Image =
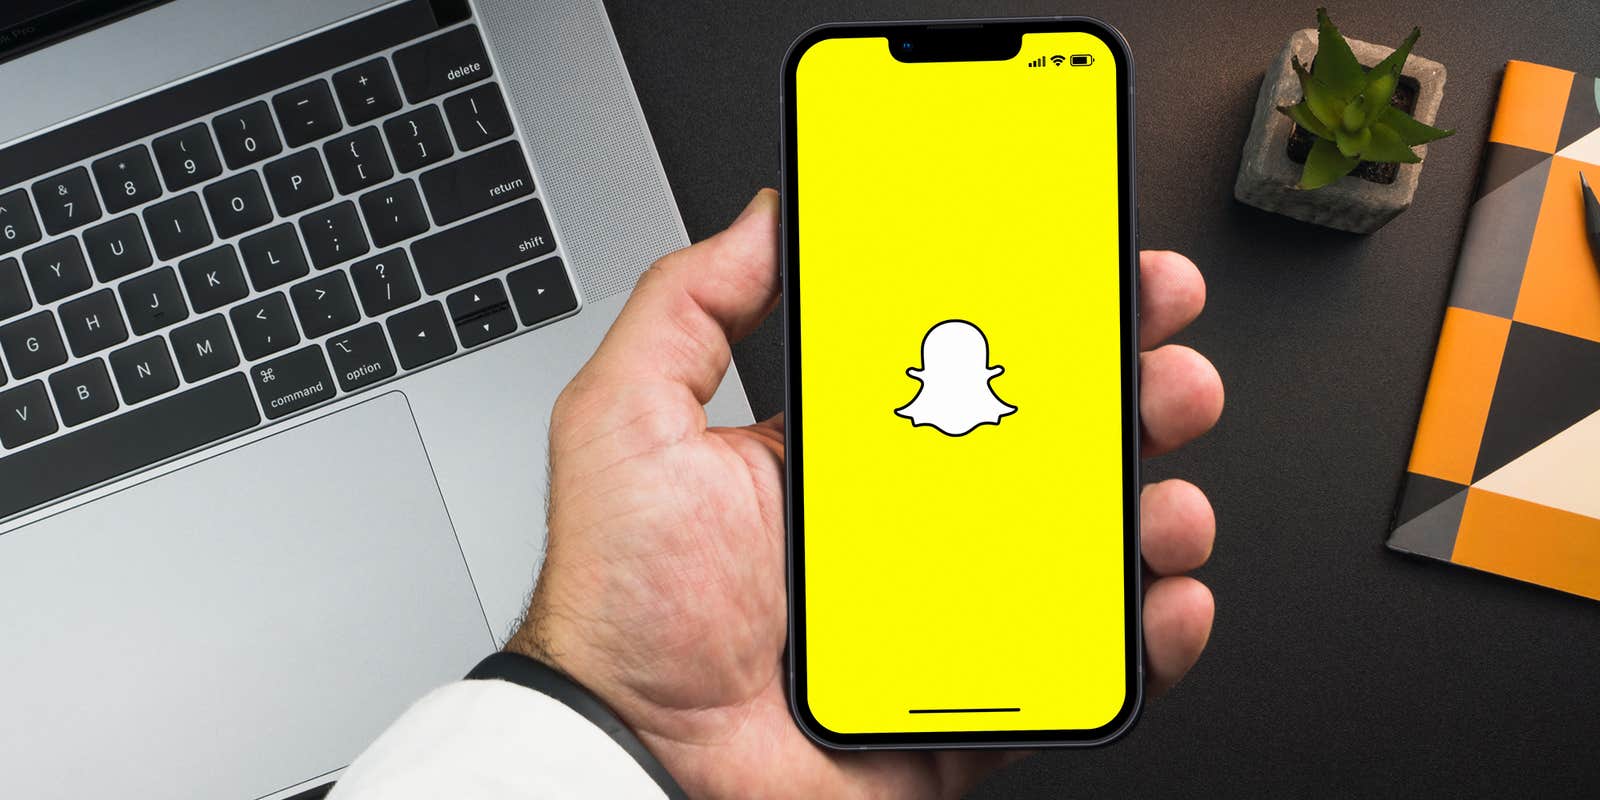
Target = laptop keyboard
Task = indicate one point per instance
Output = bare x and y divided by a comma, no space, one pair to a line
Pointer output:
291,228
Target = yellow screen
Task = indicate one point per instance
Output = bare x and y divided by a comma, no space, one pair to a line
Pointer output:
963,540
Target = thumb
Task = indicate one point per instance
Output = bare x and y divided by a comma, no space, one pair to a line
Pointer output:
690,306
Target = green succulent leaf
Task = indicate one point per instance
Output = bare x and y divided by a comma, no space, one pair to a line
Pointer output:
1351,144
1396,62
1378,92
1325,165
1302,116
1386,146
1320,100
1411,131
1353,119
1335,65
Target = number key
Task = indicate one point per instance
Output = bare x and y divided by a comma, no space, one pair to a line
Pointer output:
66,200
187,157
418,138
127,179
17,227
247,135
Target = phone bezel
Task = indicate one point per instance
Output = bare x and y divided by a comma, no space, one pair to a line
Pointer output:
948,34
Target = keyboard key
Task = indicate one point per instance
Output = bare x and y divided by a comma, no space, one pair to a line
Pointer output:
153,301
247,135
358,160
32,345
127,179
238,204
394,213
66,201
117,248
481,313
421,335
478,116
324,304
334,235
13,292
143,370
476,183
93,323
542,291
306,113
298,182
25,415
385,282
482,247
361,357
213,279
204,348
264,326
125,443
418,138
187,157
292,382
366,91
57,270
83,392
17,225
177,226
273,257
442,63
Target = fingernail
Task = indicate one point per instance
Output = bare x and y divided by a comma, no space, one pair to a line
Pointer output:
756,204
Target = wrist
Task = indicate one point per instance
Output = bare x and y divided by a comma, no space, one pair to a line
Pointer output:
522,670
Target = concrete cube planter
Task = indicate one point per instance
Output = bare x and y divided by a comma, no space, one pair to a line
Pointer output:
1267,174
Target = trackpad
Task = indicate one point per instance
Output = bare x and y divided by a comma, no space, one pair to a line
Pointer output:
236,627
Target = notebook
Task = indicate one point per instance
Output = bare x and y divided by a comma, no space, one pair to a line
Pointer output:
1504,474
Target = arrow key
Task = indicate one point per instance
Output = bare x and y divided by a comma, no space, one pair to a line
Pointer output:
421,335
481,313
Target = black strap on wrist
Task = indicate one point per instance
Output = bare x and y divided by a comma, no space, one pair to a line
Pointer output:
529,673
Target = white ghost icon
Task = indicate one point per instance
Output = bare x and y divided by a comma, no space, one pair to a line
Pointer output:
955,396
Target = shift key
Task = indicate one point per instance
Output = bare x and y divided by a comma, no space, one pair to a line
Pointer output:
465,187
484,246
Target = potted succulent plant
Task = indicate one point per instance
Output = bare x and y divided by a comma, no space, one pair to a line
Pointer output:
1333,144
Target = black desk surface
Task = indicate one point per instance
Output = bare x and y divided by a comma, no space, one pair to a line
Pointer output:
1335,667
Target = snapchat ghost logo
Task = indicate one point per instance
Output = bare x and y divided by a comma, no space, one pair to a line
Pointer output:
955,396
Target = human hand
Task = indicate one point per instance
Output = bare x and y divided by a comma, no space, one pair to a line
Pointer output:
663,584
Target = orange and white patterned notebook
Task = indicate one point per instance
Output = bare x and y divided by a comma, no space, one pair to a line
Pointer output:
1505,470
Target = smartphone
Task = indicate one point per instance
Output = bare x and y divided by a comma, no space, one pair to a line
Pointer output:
960,282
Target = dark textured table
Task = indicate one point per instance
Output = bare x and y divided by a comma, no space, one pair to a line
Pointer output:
1336,668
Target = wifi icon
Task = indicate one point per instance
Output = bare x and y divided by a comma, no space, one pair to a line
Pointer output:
1058,60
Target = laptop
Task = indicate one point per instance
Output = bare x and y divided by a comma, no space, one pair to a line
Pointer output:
287,290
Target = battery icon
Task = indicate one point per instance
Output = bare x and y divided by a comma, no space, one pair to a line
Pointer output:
1082,60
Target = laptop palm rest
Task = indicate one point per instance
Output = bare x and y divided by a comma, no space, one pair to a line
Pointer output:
235,627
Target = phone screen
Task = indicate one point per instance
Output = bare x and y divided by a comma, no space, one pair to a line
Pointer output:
964,385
